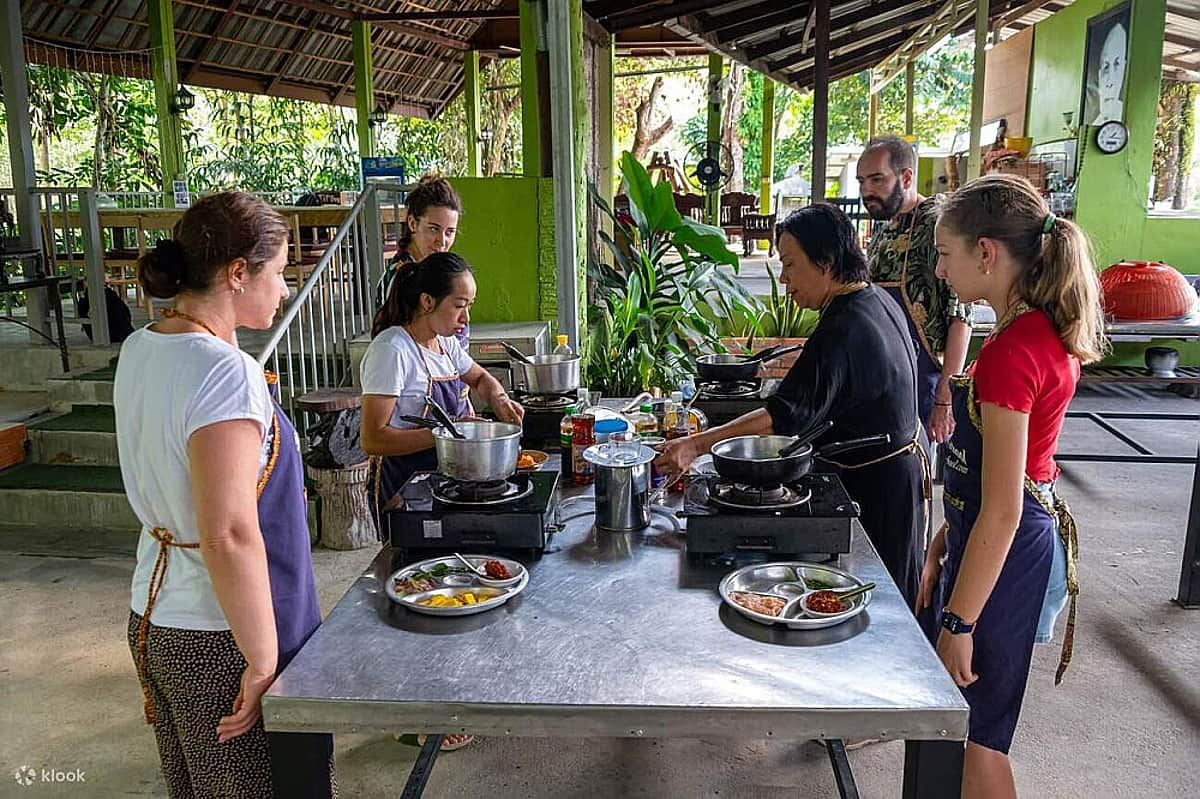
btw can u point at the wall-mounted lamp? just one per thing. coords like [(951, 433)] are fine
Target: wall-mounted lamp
[(377, 117), (183, 100), (1070, 129)]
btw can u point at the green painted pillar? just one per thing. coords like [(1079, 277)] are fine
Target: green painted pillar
[(161, 18), (768, 147), (716, 71), (979, 68), (364, 88), (471, 96), (605, 118), (535, 90), (909, 99)]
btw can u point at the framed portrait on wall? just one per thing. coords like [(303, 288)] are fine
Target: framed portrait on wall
[(1105, 61)]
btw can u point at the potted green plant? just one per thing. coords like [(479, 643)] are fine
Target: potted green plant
[(780, 322), (658, 298)]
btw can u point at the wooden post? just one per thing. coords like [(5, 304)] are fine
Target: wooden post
[(909, 79), (161, 19), (768, 147), (872, 114), (716, 70), (820, 99), (471, 99), (974, 157), (605, 117), (364, 89)]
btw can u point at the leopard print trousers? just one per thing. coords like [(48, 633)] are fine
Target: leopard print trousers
[(194, 678)]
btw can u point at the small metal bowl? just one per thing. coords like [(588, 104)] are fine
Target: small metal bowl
[(539, 459), (816, 614), (515, 569)]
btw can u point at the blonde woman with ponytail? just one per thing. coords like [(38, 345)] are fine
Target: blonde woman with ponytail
[(998, 572)]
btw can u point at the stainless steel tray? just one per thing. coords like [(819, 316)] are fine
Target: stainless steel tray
[(456, 584), (790, 580)]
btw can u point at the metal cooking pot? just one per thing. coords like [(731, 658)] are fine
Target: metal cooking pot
[(622, 485), (488, 451), (729, 368), (547, 374), (755, 460)]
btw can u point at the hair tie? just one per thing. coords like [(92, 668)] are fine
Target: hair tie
[(1048, 223), (169, 255)]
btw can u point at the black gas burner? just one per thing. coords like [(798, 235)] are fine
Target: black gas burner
[(758, 498), (734, 389), (544, 402), (494, 492)]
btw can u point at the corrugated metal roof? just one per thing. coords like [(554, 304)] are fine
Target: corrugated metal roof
[(287, 48)]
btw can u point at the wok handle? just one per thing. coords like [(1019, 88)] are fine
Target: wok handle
[(779, 353), (421, 421), (515, 353), (855, 443)]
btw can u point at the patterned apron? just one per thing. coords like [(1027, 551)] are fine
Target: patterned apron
[(1005, 631), (389, 473)]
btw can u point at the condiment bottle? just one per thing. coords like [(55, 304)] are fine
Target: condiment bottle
[(561, 347), (566, 434), (582, 472), (646, 423)]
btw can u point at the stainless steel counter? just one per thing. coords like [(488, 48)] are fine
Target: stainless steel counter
[(617, 635)]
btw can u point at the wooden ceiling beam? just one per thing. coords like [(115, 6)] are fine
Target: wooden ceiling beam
[(761, 13), (858, 36), (846, 65), (213, 35), (763, 25), (882, 12), (601, 10), (438, 16), (658, 14), (407, 30)]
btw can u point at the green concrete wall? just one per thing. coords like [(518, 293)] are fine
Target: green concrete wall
[(507, 234), (1113, 189)]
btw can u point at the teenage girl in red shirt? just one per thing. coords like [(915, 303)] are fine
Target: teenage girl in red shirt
[(987, 570)]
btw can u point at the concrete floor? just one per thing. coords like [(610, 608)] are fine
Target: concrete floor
[(1126, 722)]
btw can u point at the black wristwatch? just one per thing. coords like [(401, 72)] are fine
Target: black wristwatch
[(954, 624)]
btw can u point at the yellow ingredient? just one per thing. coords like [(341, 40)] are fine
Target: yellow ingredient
[(469, 599), (439, 601)]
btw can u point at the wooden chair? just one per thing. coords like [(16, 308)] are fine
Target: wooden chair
[(734, 206), (758, 227), (690, 205)]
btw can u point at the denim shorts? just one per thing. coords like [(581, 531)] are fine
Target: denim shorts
[(1056, 588)]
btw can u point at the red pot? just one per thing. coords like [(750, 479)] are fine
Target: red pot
[(1146, 290)]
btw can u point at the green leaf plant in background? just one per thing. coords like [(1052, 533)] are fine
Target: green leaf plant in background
[(664, 294), (782, 318)]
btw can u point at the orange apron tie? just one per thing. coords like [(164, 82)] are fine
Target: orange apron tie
[(165, 539)]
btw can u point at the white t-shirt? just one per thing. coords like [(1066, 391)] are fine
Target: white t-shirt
[(396, 366), (167, 387)]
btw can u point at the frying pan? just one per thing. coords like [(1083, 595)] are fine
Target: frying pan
[(756, 460), (729, 368)]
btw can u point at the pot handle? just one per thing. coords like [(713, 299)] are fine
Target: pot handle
[(763, 353), (838, 447), (421, 421), (440, 414), (780, 352), (515, 353)]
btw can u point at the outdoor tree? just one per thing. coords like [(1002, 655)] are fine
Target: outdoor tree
[(501, 104), (731, 115)]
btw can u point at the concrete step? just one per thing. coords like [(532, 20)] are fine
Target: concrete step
[(87, 434), (85, 388), (28, 366), (40, 496)]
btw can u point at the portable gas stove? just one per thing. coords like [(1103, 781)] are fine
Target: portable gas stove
[(543, 415), (441, 514), (723, 402), (811, 516)]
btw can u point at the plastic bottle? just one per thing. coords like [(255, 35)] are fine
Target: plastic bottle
[(566, 434), (583, 436), (581, 400), (645, 422), (561, 347)]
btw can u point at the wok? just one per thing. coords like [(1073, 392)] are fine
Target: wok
[(729, 368), (755, 460)]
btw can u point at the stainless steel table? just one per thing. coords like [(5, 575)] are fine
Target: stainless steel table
[(618, 636)]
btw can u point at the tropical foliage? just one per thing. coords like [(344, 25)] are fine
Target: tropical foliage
[(657, 300)]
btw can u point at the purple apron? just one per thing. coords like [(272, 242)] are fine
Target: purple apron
[(1005, 631), (391, 472)]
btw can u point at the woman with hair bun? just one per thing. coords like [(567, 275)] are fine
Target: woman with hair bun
[(999, 571), (432, 210), (223, 594), (414, 353)]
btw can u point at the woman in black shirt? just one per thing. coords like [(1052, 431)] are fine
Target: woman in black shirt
[(856, 370)]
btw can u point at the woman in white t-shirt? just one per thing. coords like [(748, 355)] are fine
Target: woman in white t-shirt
[(223, 594), (414, 354)]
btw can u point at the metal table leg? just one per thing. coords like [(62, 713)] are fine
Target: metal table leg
[(933, 769), (1189, 575), (841, 768), (415, 787), (56, 306)]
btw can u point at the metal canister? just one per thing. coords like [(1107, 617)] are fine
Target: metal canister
[(657, 478)]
